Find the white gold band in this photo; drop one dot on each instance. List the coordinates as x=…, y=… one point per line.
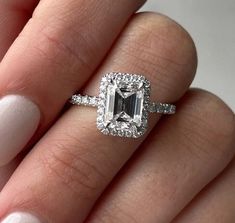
x=93, y=101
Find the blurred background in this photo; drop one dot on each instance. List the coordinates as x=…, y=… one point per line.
x=212, y=26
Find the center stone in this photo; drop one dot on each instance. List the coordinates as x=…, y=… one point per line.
x=124, y=104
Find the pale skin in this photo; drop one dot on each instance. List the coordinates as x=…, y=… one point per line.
x=181, y=171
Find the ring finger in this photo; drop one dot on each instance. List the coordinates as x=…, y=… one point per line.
x=74, y=162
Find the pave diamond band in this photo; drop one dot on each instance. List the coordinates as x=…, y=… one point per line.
x=162, y=108
x=123, y=105
x=93, y=101
x=85, y=100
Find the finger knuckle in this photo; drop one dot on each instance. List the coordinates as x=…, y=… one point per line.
x=213, y=123
x=168, y=33
x=55, y=40
x=160, y=47
x=66, y=161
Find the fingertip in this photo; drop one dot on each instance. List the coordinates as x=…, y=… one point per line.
x=20, y=118
x=21, y=217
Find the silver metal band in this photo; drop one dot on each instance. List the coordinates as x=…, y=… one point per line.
x=93, y=101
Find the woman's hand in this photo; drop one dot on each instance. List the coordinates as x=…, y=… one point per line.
x=181, y=171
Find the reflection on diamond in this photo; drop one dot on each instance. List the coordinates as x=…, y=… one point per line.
x=123, y=105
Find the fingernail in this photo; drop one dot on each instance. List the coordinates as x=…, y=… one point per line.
x=20, y=217
x=19, y=119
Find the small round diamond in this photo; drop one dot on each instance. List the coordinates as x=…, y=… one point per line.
x=85, y=100
x=121, y=133
x=105, y=131
x=93, y=101
x=128, y=134
x=102, y=95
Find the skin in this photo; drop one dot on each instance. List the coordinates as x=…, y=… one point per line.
x=182, y=170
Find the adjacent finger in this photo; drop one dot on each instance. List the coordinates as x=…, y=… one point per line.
x=183, y=154
x=74, y=162
x=55, y=54
x=214, y=204
x=14, y=14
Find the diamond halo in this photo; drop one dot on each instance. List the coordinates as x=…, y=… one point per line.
x=124, y=99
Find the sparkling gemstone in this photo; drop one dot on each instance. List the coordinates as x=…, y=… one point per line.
x=93, y=101
x=123, y=104
x=124, y=99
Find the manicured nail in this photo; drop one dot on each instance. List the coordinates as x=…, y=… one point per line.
x=20, y=217
x=19, y=119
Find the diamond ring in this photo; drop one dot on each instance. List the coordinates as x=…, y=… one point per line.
x=123, y=105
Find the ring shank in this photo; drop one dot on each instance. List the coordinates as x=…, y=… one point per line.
x=162, y=108
x=93, y=101
x=86, y=100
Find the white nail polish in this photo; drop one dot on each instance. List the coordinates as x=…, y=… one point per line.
x=19, y=119
x=20, y=217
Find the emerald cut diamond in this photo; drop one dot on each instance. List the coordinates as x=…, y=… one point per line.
x=122, y=109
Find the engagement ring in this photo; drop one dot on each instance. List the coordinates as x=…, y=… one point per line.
x=123, y=105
